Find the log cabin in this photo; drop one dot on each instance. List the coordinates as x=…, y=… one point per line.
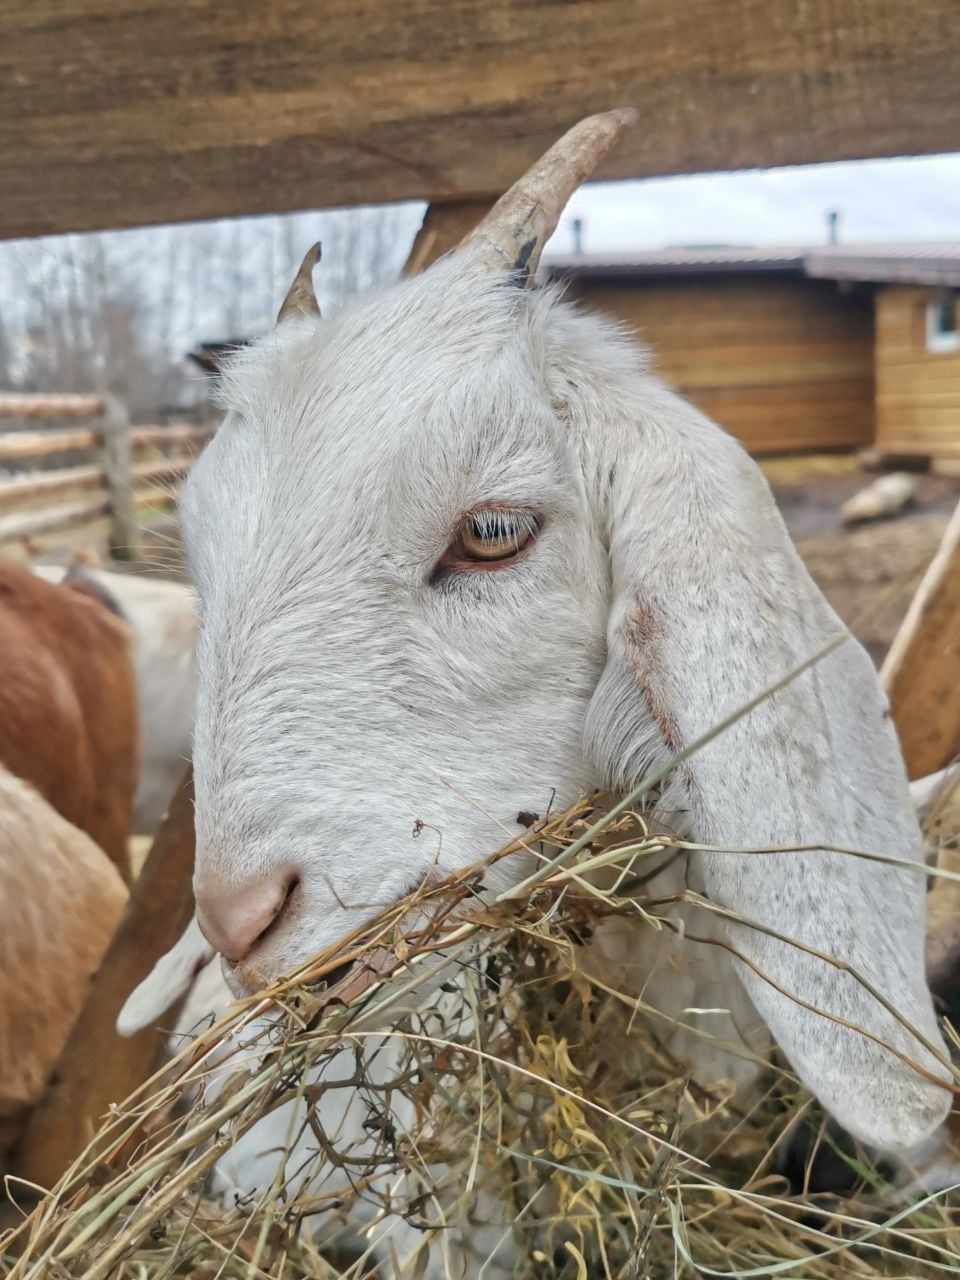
x=798, y=349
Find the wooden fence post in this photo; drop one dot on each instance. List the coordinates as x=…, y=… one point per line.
x=921, y=673
x=442, y=229
x=124, y=532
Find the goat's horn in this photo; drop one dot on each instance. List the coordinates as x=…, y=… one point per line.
x=301, y=299
x=512, y=235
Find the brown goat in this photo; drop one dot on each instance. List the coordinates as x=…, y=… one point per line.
x=68, y=704
x=62, y=900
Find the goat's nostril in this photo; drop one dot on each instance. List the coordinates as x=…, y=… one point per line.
x=235, y=918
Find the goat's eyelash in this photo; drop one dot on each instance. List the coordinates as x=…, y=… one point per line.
x=494, y=523
x=487, y=539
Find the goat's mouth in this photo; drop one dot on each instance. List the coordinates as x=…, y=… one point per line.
x=342, y=984
x=373, y=959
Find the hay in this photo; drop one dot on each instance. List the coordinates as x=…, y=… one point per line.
x=539, y=1104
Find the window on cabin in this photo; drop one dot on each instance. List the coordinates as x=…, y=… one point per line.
x=942, y=332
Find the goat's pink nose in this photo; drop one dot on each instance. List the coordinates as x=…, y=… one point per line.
x=232, y=917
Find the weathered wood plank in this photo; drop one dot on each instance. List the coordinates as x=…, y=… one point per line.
x=36, y=444
x=156, y=497
x=115, y=457
x=35, y=405
x=98, y=1067
x=917, y=390
x=39, y=484
x=168, y=470
x=120, y=112
x=754, y=353
x=922, y=670
x=32, y=524
x=442, y=229
x=172, y=433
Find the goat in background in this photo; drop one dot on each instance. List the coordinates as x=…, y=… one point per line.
x=68, y=704
x=163, y=621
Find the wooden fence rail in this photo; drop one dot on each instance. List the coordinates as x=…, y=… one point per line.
x=114, y=483
x=32, y=405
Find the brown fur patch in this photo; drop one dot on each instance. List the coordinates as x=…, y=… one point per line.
x=68, y=709
x=63, y=902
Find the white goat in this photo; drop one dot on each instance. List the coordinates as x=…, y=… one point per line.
x=162, y=616
x=457, y=552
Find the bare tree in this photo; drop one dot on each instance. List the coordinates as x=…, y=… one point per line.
x=119, y=311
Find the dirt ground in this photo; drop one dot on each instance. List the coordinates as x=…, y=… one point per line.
x=868, y=573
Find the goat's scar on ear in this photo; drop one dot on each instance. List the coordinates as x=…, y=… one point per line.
x=640, y=633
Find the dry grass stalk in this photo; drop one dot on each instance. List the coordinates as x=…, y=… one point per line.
x=541, y=1097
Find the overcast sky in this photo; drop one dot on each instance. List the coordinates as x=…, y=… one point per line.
x=222, y=280
x=908, y=199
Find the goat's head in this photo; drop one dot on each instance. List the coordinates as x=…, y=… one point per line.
x=460, y=555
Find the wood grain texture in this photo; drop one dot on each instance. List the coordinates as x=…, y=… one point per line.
x=918, y=391
x=921, y=672
x=98, y=1067
x=115, y=457
x=121, y=112
x=39, y=484
x=35, y=405
x=37, y=444
x=61, y=515
x=781, y=362
x=442, y=229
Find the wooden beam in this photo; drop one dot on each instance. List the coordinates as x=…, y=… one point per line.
x=169, y=470
x=38, y=484
x=442, y=229
x=172, y=433
x=35, y=405
x=921, y=672
x=156, y=497
x=117, y=112
x=33, y=524
x=36, y=444
x=98, y=1067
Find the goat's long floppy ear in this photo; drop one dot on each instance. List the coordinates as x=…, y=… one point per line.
x=711, y=605
x=169, y=979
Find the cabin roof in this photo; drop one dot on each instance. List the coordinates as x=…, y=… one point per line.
x=925, y=263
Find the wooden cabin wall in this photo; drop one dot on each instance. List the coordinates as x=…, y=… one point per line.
x=782, y=363
x=918, y=391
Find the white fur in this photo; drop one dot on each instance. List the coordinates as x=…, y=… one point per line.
x=342, y=697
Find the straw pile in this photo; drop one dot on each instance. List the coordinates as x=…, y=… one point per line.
x=528, y=1098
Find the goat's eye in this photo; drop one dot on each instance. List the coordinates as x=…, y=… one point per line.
x=496, y=535
x=489, y=538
